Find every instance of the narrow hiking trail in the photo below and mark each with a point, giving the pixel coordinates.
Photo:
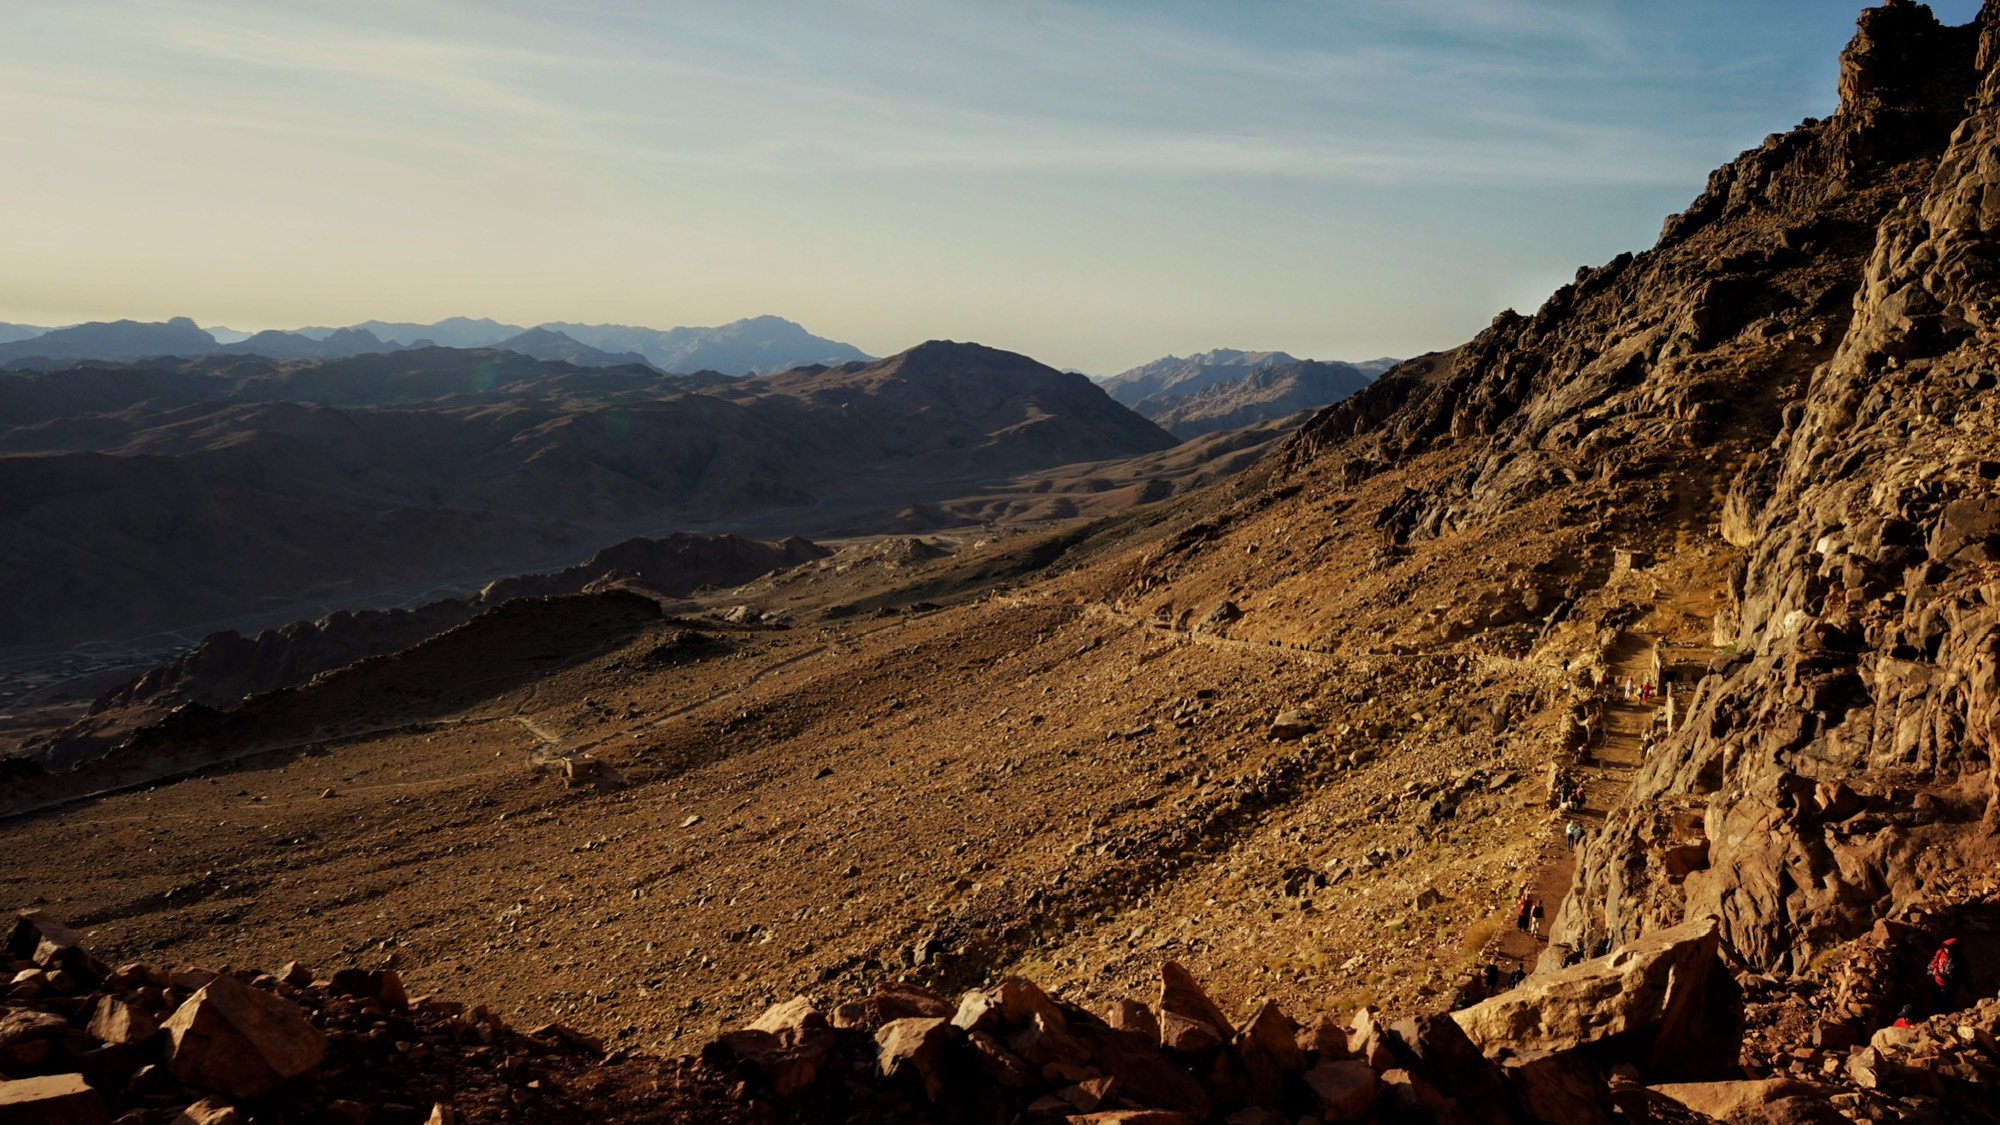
(1615, 756)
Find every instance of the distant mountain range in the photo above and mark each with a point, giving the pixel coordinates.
(761, 345)
(758, 345)
(168, 493)
(1225, 389)
(115, 340)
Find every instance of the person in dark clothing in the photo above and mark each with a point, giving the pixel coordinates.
(1948, 974)
(1491, 976)
(1515, 978)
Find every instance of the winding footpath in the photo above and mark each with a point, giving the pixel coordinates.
(1616, 758)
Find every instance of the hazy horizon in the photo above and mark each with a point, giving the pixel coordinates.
(1093, 185)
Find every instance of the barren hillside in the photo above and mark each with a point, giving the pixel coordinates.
(1217, 772)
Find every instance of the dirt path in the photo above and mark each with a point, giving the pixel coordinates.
(1616, 756)
(1317, 657)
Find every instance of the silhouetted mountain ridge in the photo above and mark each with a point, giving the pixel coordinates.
(121, 340)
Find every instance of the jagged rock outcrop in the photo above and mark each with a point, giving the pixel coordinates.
(1802, 369)
(1845, 762)
(1666, 998)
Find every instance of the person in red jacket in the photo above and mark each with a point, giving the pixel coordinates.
(1948, 974)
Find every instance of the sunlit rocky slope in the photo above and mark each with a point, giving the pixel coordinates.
(1246, 783)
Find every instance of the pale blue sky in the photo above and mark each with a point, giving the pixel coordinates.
(1094, 184)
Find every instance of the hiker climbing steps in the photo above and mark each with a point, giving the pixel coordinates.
(1616, 726)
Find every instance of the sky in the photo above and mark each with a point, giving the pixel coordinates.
(1095, 183)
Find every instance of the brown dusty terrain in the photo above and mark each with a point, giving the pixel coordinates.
(1292, 731)
(1035, 780)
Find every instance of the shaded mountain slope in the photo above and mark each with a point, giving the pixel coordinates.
(1265, 392)
(947, 406)
(227, 668)
(1184, 375)
(545, 343)
(170, 508)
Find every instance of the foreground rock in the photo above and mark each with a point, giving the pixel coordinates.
(1013, 1053)
(1752, 1100)
(85, 1044)
(241, 1042)
(1663, 1002)
(61, 1099)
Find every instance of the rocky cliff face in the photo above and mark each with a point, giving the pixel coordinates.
(1802, 366)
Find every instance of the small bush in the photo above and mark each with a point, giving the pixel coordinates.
(1480, 933)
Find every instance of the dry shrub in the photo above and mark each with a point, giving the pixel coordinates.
(1480, 933)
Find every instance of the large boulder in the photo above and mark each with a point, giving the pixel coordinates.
(1000, 1064)
(894, 1001)
(1012, 1002)
(123, 1024)
(915, 1046)
(1434, 1048)
(41, 939)
(1973, 522)
(1324, 1037)
(787, 1046)
(59, 1099)
(1132, 1016)
(240, 1042)
(1663, 1002)
(1145, 1074)
(1345, 1089)
(50, 944)
(28, 1036)
(1753, 1102)
(1558, 1088)
(1269, 1048)
(1189, 1021)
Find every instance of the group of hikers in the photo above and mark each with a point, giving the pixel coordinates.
(1528, 914)
(1645, 691)
(1490, 981)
